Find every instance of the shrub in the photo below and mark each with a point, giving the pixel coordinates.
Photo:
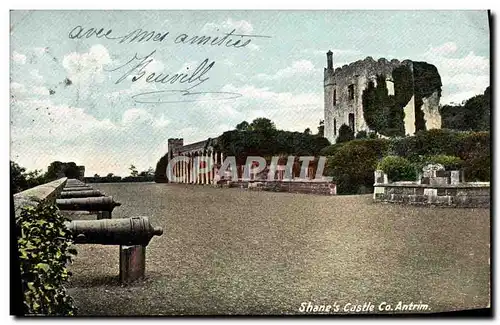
(398, 168)
(362, 135)
(331, 149)
(448, 162)
(353, 164)
(44, 246)
(345, 134)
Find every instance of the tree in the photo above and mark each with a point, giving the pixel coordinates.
(345, 134)
(110, 175)
(262, 124)
(307, 131)
(96, 176)
(18, 179)
(321, 128)
(243, 126)
(22, 180)
(133, 171)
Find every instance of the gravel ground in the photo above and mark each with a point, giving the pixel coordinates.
(232, 251)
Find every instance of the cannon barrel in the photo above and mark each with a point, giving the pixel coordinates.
(75, 194)
(103, 203)
(79, 188)
(127, 231)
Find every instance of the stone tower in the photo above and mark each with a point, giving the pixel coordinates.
(174, 146)
(344, 87)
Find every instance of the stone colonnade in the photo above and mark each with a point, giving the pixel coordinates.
(188, 172)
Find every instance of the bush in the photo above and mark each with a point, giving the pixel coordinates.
(331, 149)
(345, 134)
(398, 168)
(353, 164)
(473, 148)
(448, 162)
(44, 251)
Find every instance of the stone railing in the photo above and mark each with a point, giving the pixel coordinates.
(43, 193)
(439, 190)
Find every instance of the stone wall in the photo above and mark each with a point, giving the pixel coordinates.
(295, 186)
(439, 191)
(43, 193)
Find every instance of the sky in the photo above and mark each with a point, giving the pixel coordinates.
(77, 96)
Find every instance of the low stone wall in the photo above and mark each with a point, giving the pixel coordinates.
(474, 194)
(294, 186)
(42, 193)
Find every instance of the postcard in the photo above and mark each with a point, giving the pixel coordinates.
(215, 163)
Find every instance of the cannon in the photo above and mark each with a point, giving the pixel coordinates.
(103, 203)
(127, 231)
(79, 188)
(75, 194)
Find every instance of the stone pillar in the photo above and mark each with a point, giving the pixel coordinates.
(183, 171)
(132, 263)
(198, 169)
(454, 177)
(191, 166)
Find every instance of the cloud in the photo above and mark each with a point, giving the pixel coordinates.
(18, 57)
(86, 69)
(298, 68)
(43, 131)
(241, 26)
(36, 77)
(336, 52)
(462, 77)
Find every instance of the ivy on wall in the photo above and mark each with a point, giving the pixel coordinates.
(380, 110)
(44, 246)
(426, 82)
(384, 113)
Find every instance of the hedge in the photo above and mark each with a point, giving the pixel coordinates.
(353, 164)
(398, 168)
(44, 246)
(473, 148)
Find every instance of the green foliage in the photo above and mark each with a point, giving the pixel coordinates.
(345, 134)
(266, 141)
(426, 81)
(243, 126)
(133, 171)
(473, 148)
(362, 135)
(44, 246)
(23, 180)
(473, 115)
(331, 149)
(398, 168)
(448, 162)
(353, 164)
(56, 168)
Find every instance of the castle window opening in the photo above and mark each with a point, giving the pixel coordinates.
(350, 91)
(351, 121)
(334, 126)
(334, 97)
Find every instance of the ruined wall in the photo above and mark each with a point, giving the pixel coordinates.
(355, 77)
(338, 80)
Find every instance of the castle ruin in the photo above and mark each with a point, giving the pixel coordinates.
(390, 98)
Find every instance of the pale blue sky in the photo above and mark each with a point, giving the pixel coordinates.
(95, 122)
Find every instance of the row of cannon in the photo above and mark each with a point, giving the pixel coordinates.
(78, 196)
